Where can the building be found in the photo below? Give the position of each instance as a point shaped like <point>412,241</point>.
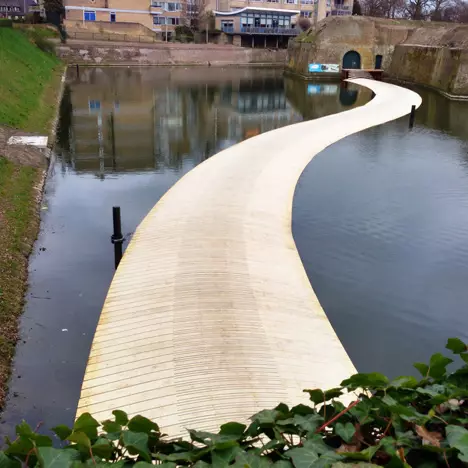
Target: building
<point>16,8</point>
<point>250,23</point>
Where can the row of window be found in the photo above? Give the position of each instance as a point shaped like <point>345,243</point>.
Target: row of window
<point>90,15</point>
<point>9,8</point>
<point>168,6</point>
<point>265,20</point>
<point>162,20</point>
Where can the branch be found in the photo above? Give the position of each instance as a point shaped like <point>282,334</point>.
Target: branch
<point>332,420</point>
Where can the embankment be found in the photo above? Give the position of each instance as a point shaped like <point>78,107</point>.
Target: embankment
<point>29,84</point>
<point>118,53</point>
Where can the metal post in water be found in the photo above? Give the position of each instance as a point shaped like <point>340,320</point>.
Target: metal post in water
<point>411,118</point>
<point>77,70</point>
<point>117,238</point>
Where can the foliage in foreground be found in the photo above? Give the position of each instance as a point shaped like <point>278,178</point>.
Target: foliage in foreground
<point>398,423</point>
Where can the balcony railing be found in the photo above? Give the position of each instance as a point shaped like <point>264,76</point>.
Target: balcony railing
<point>340,12</point>
<point>227,29</point>
<point>260,30</point>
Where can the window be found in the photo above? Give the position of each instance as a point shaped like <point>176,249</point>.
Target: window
<point>157,4</point>
<point>89,15</point>
<point>112,17</point>
<point>173,21</point>
<point>159,20</point>
<point>94,105</point>
<point>307,2</point>
<point>292,1</point>
<point>173,6</point>
<point>307,14</point>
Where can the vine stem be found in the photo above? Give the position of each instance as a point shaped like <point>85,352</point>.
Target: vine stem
<point>332,420</point>
<point>446,461</point>
<point>28,455</point>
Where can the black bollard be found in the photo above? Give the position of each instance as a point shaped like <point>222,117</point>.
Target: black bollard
<point>411,117</point>
<point>77,70</point>
<point>117,238</point>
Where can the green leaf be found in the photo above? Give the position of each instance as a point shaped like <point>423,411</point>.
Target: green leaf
<point>438,365</point>
<point>24,429</point>
<point>464,356</point>
<point>302,409</point>
<point>303,457</point>
<point>233,428</point>
<point>422,368</point>
<point>283,464</point>
<point>345,431</point>
<point>355,465</point>
<point>103,448</point>
<point>456,345</point>
<point>141,424</point>
<point>137,444</point>
<point>120,417</point>
<point>223,458</point>
<point>332,393</point>
<point>282,408</point>
<point>21,446</point>
<point>266,417</point>
<point>250,460</point>
<point>6,462</point>
<point>373,380</point>
<point>87,424</point>
<point>62,431</point>
<point>457,437</point>
<point>111,426</point>
<point>80,438</point>
<point>50,457</point>
<point>404,382</point>
<point>327,460</point>
<point>365,455</point>
<point>308,423</point>
<point>199,464</point>
<point>316,395</point>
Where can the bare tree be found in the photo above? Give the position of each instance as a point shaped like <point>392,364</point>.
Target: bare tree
<point>194,14</point>
<point>304,24</point>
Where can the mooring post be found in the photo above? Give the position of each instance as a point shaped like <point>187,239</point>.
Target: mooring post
<point>77,70</point>
<point>411,117</point>
<point>117,238</point>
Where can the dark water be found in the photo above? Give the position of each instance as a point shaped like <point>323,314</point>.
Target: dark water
<point>380,218</point>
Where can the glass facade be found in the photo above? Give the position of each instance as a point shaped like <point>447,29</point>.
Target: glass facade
<point>265,20</point>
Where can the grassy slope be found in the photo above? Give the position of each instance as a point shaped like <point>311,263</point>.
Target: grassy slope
<point>24,73</point>
<point>29,81</point>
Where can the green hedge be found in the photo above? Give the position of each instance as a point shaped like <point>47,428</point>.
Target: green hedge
<point>6,23</point>
<point>399,423</point>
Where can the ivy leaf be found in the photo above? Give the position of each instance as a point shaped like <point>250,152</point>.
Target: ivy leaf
<point>120,417</point>
<point>141,424</point>
<point>282,408</point>
<point>265,417</point>
<point>21,446</point>
<point>365,455</point>
<point>137,444</point>
<point>373,380</point>
<point>332,393</point>
<point>404,382</point>
<point>422,368</point>
<point>111,426</point>
<point>308,423</point>
<point>6,462</point>
<point>302,410</point>
<point>283,464</point>
<point>250,460</point>
<point>233,428</point>
<point>457,437</point>
<point>223,458</point>
<point>438,364</point>
<point>316,395</point>
<point>345,431</point>
<point>327,460</point>
<point>303,457</point>
<point>62,431</point>
<point>50,457</point>
<point>87,424</point>
<point>456,345</point>
<point>23,429</point>
<point>355,465</point>
<point>103,448</point>
<point>80,438</point>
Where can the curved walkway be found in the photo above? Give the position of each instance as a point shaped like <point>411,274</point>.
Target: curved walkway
<point>210,316</point>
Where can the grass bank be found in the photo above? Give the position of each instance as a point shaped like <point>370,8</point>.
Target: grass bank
<point>29,84</point>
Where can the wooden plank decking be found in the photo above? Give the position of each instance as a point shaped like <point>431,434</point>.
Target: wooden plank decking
<point>210,316</point>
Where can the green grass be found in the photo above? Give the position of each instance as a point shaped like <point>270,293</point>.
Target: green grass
<point>18,228</point>
<point>25,73</point>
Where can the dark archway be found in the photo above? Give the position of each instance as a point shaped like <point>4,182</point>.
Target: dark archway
<point>351,59</point>
<point>378,62</point>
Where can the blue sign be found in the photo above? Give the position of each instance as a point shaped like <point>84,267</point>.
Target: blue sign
<point>324,68</point>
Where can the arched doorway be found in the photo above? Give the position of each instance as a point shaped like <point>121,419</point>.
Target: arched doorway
<point>351,60</point>
<point>378,62</point>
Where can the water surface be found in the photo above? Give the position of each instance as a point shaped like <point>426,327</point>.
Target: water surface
<point>380,218</point>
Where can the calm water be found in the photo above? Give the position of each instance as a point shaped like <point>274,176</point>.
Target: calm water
<point>380,218</point>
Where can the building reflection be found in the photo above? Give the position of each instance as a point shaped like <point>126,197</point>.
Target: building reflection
<point>119,120</point>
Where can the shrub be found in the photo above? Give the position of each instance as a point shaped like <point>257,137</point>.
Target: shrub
<point>304,24</point>
<point>6,23</point>
<point>399,423</point>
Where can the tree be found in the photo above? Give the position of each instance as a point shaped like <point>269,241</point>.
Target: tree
<point>195,16</point>
<point>55,11</point>
<point>357,10</point>
<point>304,23</point>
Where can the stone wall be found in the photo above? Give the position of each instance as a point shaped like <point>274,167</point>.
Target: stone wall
<point>338,35</point>
<point>171,54</point>
<point>121,28</point>
<point>442,68</point>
